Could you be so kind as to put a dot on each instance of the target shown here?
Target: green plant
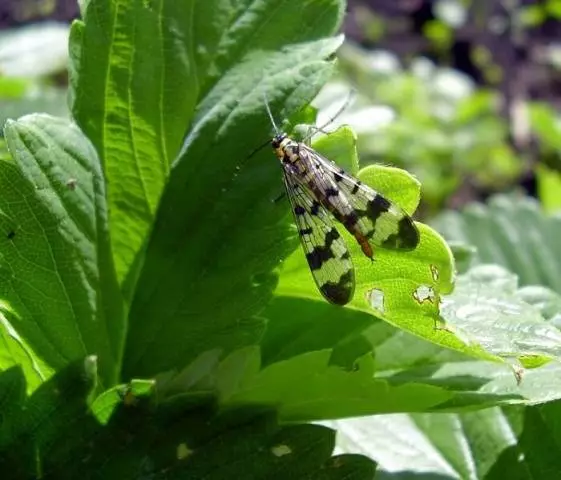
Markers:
(147, 238)
(435, 124)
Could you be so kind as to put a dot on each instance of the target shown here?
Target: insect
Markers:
(319, 190)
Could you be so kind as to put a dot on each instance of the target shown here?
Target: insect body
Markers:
(317, 188)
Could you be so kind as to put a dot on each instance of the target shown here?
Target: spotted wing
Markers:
(359, 207)
(326, 252)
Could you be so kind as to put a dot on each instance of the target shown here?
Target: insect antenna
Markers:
(275, 127)
(331, 119)
(277, 131)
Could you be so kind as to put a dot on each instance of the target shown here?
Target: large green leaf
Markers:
(141, 71)
(209, 265)
(58, 283)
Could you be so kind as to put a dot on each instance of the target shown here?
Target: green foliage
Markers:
(544, 123)
(512, 232)
(494, 443)
(436, 124)
(413, 291)
(58, 436)
(58, 286)
(146, 237)
(490, 444)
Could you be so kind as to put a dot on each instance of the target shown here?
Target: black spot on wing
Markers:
(356, 187)
(299, 210)
(406, 238)
(338, 176)
(331, 192)
(339, 292)
(322, 253)
(306, 231)
(377, 206)
(316, 206)
(350, 220)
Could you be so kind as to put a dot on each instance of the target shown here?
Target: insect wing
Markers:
(382, 222)
(326, 252)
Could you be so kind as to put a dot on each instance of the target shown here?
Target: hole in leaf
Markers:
(435, 272)
(424, 294)
(375, 298)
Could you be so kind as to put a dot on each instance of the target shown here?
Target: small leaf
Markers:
(549, 188)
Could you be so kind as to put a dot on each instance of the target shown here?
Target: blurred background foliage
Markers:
(466, 94)
(462, 93)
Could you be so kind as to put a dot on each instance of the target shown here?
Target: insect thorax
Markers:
(286, 149)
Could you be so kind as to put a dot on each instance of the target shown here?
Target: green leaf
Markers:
(432, 446)
(486, 308)
(492, 322)
(58, 410)
(297, 451)
(320, 351)
(539, 442)
(12, 396)
(107, 404)
(15, 351)
(209, 265)
(545, 125)
(491, 444)
(184, 441)
(307, 387)
(512, 232)
(549, 188)
(388, 287)
(43, 429)
(58, 283)
(136, 94)
(56, 433)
